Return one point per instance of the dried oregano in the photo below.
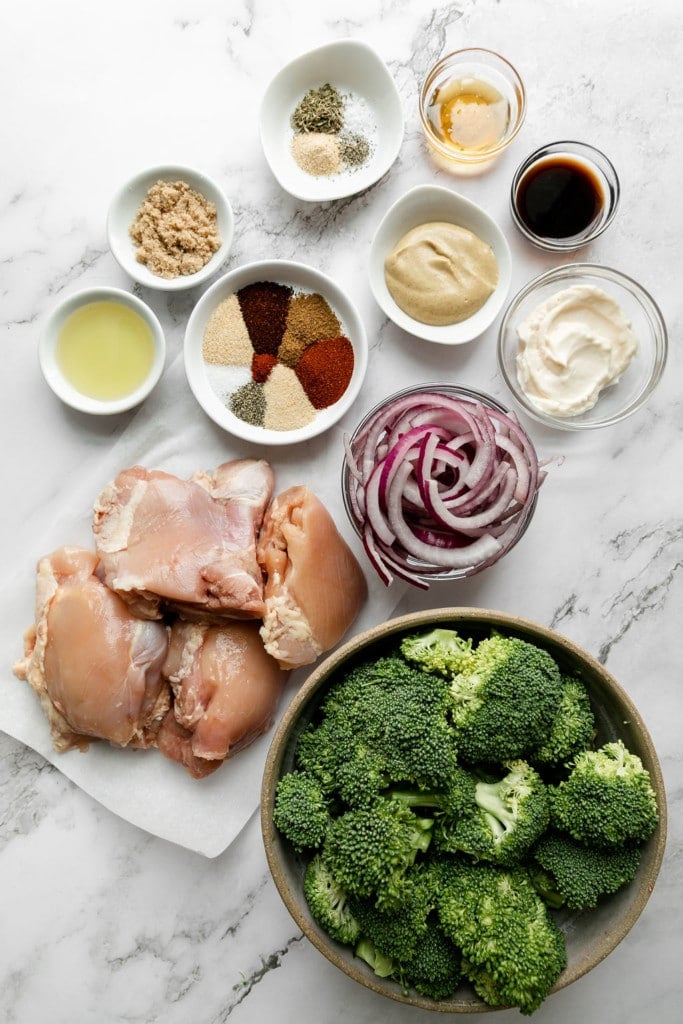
(320, 110)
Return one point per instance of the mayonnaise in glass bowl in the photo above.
(633, 387)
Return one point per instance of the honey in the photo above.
(469, 115)
(105, 350)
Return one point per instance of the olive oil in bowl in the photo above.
(105, 350)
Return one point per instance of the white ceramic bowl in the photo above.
(303, 279)
(125, 206)
(635, 386)
(351, 67)
(52, 372)
(421, 205)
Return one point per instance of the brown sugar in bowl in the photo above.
(590, 936)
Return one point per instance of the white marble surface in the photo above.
(101, 920)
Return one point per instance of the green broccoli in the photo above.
(607, 799)
(398, 930)
(504, 702)
(505, 820)
(441, 651)
(383, 966)
(434, 970)
(328, 903)
(368, 849)
(300, 810)
(577, 876)
(573, 726)
(453, 799)
(513, 951)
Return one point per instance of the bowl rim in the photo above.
(448, 334)
(341, 186)
(567, 271)
(653, 852)
(599, 161)
(277, 270)
(518, 85)
(142, 181)
(56, 379)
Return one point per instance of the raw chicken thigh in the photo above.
(185, 545)
(95, 667)
(226, 691)
(314, 585)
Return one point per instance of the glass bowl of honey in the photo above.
(472, 104)
(564, 195)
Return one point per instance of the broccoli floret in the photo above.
(573, 726)
(577, 876)
(329, 903)
(321, 748)
(504, 702)
(434, 970)
(506, 818)
(398, 930)
(607, 799)
(382, 965)
(369, 849)
(440, 651)
(300, 810)
(513, 950)
(455, 798)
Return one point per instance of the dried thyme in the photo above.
(320, 110)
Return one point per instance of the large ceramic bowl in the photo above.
(633, 389)
(590, 936)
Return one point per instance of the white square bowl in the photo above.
(351, 67)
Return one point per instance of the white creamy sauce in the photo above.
(571, 346)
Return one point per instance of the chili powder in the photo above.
(325, 369)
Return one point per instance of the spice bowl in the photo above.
(124, 209)
(429, 204)
(370, 109)
(634, 387)
(275, 352)
(101, 371)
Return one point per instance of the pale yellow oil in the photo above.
(469, 115)
(105, 350)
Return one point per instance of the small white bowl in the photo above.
(422, 205)
(62, 387)
(124, 208)
(302, 278)
(351, 67)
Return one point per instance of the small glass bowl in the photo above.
(424, 572)
(638, 381)
(598, 167)
(483, 67)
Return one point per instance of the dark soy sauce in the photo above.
(559, 198)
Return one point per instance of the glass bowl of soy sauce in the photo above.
(564, 195)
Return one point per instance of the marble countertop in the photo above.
(102, 920)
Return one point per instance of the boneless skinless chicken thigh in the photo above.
(314, 585)
(226, 690)
(185, 545)
(95, 667)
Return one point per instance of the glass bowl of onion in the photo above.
(439, 481)
(582, 346)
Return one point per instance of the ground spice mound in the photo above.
(261, 365)
(226, 340)
(248, 403)
(175, 230)
(287, 405)
(325, 370)
(317, 153)
(264, 306)
(309, 319)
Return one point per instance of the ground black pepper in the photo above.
(248, 403)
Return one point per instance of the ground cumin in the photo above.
(175, 230)
(309, 318)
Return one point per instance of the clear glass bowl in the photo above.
(598, 168)
(636, 384)
(479, 67)
(424, 572)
